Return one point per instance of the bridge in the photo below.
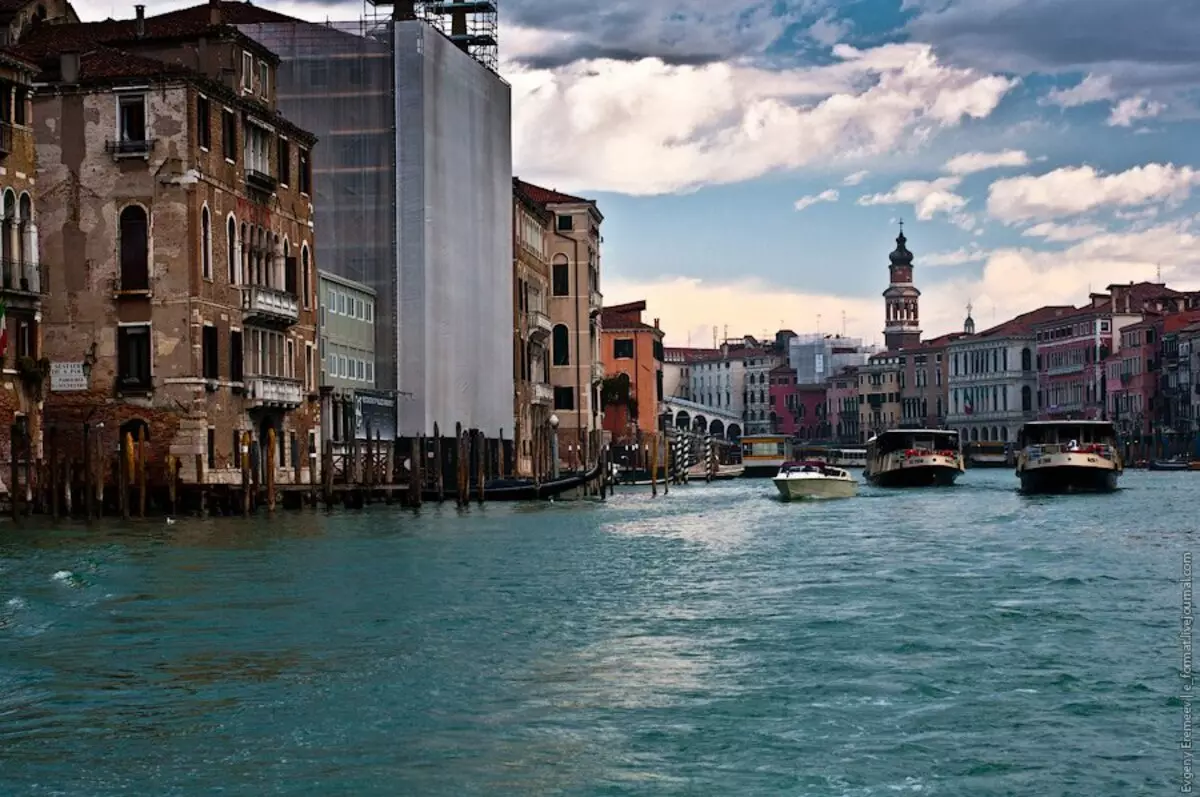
(695, 417)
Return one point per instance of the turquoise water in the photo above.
(964, 641)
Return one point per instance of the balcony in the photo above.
(130, 149)
(270, 305)
(1065, 369)
(260, 181)
(539, 324)
(274, 391)
(543, 394)
(22, 278)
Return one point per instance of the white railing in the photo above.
(275, 390)
(1065, 369)
(264, 301)
(538, 321)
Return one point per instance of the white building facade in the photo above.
(993, 385)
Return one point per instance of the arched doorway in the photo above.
(682, 420)
(700, 424)
(717, 428)
(734, 432)
(132, 427)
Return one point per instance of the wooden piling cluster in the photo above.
(127, 482)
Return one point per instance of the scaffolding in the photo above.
(471, 25)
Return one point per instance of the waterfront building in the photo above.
(993, 378)
(761, 381)
(632, 352)
(797, 410)
(879, 394)
(1072, 349)
(576, 367)
(347, 332)
(414, 189)
(22, 274)
(176, 202)
(18, 17)
(841, 403)
(719, 380)
(677, 370)
(533, 395)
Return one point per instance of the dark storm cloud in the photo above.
(677, 31)
(1141, 43)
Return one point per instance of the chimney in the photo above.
(656, 323)
(141, 20)
(68, 67)
(214, 12)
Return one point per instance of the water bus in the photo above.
(1068, 456)
(813, 479)
(764, 454)
(848, 457)
(913, 458)
(989, 454)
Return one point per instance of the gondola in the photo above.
(519, 489)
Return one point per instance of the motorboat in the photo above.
(813, 479)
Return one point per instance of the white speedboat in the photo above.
(801, 480)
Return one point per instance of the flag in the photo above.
(969, 405)
(3, 328)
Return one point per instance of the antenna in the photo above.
(1158, 272)
(843, 323)
(818, 323)
(714, 336)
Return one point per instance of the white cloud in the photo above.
(648, 127)
(856, 178)
(929, 198)
(957, 257)
(1050, 231)
(972, 162)
(829, 195)
(829, 30)
(1077, 189)
(1130, 109)
(1093, 88)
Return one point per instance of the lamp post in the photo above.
(553, 446)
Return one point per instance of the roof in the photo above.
(241, 13)
(108, 64)
(535, 207)
(49, 41)
(550, 196)
(625, 317)
(782, 369)
(1177, 321)
(1025, 322)
(677, 354)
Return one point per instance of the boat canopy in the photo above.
(929, 439)
(1081, 432)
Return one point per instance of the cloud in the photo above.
(829, 30)
(1093, 88)
(957, 257)
(971, 162)
(1130, 109)
(828, 195)
(1050, 231)
(650, 128)
(856, 178)
(929, 199)
(1142, 45)
(694, 32)
(1077, 189)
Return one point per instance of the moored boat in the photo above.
(1068, 456)
(764, 454)
(1170, 464)
(813, 479)
(913, 458)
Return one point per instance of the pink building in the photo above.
(1073, 350)
(797, 410)
(1136, 400)
(841, 402)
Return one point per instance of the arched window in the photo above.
(975, 435)
(135, 249)
(231, 246)
(561, 277)
(7, 250)
(206, 243)
(25, 247)
(244, 253)
(562, 345)
(132, 428)
(1026, 360)
(1026, 397)
(305, 276)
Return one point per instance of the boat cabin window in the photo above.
(1057, 434)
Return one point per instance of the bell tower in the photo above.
(902, 327)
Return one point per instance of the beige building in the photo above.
(177, 207)
(533, 397)
(879, 386)
(576, 368)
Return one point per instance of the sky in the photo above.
(752, 157)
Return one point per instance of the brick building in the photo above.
(23, 379)
(176, 209)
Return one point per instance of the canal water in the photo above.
(963, 641)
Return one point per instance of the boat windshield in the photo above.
(922, 440)
(1068, 435)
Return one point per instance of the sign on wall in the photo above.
(374, 412)
(67, 377)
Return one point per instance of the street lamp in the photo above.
(554, 446)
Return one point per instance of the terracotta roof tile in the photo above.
(1024, 323)
(548, 196)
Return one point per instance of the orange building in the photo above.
(631, 394)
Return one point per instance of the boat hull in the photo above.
(916, 476)
(808, 489)
(1170, 465)
(1068, 479)
(760, 471)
